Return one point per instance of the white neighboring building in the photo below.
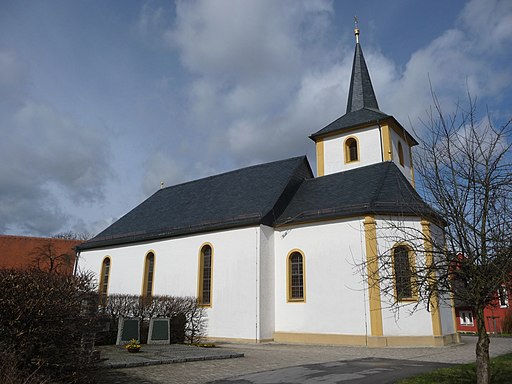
(270, 249)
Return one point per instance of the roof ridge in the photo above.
(286, 185)
(228, 172)
(36, 237)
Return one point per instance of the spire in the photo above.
(361, 94)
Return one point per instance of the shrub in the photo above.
(46, 323)
(188, 319)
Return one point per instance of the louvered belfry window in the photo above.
(296, 276)
(351, 150)
(400, 154)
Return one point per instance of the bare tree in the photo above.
(464, 246)
(466, 170)
(70, 235)
(47, 258)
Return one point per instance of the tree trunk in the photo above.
(483, 366)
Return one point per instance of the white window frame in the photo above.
(466, 318)
(503, 296)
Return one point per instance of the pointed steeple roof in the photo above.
(361, 94)
(362, 106)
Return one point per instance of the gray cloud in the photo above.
(47, 157)
(250, 61)
(264, 77)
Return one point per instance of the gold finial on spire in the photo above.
(356, 29)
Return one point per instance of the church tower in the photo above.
(364, 135)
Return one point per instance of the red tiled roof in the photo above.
(19, 251)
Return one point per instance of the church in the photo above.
(272, 252)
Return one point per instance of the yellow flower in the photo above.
(132, 344)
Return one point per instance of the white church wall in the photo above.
(234, 293)
(369, 150)
(334, 298)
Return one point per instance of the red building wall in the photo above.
(20, 252)
(494, 314)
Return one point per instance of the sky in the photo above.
(101, 101)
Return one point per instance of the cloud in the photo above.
(151, 17)
(247, 40)
(264, 75)
(48, 157)
(161, 167)
(469, 54)
(250, 61)
(489, 23)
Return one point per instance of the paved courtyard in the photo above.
(272, 356)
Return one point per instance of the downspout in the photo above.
(380, 138)
(77, 256)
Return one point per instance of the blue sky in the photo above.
(103, 100)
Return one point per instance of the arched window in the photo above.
(403, 269)
(351, 150)
(400, 153)
(205, 275)
(104, 277)
(149, 270)
(296, 286)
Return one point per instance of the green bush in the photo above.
(46, 326)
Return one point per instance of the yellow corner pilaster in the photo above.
(320, 157)
(386, 142)
(434, 301)
(370, 232)
(412, 166)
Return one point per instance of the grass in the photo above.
(501, 373)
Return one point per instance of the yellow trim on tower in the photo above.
(370, 233)
(413, 182)
(386, 142)
(320, 167)
(429, 259)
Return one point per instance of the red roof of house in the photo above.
(20, 251)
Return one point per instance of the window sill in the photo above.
(407, 299)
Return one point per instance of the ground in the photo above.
(268, 357)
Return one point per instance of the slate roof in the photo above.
(247, 196)
(374, 189)
(352, 119)
(361, 94)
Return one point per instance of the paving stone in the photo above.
(268, 356)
